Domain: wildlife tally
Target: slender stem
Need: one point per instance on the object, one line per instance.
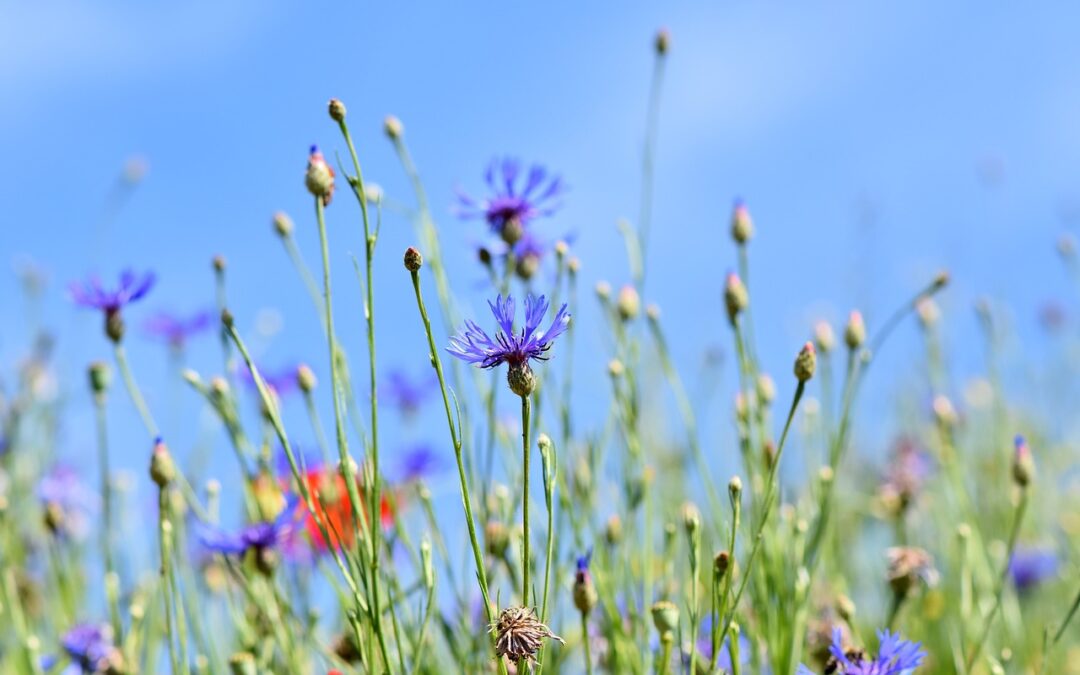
(1021, 507)
(164, 538)
(525, 561)
(1065, 623)
(766, 508)
(667, 641)
(345, 464)
(649, 158)
(585, 643)
(374, 488)
(466, 497)
(111, 590)
(133, 390)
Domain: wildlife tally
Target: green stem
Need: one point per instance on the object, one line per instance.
(525, 561)
(766, 509)
(133, 390)
(165, 537)
(107, 519)
(585, 643)
(649, 158)
(466, 497)
(1014, 533)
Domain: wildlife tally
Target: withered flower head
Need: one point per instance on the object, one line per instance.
(519, 634)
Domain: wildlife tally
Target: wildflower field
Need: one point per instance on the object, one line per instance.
(481, 456)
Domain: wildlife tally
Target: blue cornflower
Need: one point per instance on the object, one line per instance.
(1029, 567)
(405, 393)
(473, 345)
(90, 648)
(282, 381)
(513, 203)
(91, 293)
(417, 462)
(585, 595)
(896, 656)
(175, 330)
(259, 537)
(68, 501)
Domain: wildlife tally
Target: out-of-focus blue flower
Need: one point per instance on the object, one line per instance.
(723, 659)
(513, 202)
(405, 393)
(896, 656)
(417, 461)
(473, 345)
(91, 293)
(63, 487)
(258, 536)
(282, 381)
(90, 648)
(175, 330)
(1029, 567)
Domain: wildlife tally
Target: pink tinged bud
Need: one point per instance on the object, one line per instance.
(319, 177)
(806, 362)
(736, 298)
(855, 331)
(742, 227)
(1023, 468)
(162, 469)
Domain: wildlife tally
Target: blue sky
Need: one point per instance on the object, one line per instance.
(874, 145)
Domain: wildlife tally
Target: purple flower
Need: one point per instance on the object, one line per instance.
(89, 646)
(282, 381)
(1029, 567)
(91, 293)
(417, 462)
(63, 490)
(405, 393)
(266, 536)
(513, 203)
(896, 656)
(175, 330)
(475, 346)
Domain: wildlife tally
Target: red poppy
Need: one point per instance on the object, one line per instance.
(331, 496)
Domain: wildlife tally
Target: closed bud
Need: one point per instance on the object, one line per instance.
(114, 325)
(100, 377)
(944, 411)
(662, 42)
(585, 595)
(305, 378)
(824, 337)
(734, 488)
(665, 616)
(191, 376)
(766, 389)
(427, 564)
(691, 518)
(805, 362)
(1023, 467)
(496, 538)
(573, 265)
(615, 368)
(373, 193)
(1066, 246)
(561, 248)
(721, 563)
(413, 259)
(628, 304)
(603, 290)
(219, 387)
(319, 177)
(54, 517)
(613, 530)
(928, 312)
(392, 127)
(941, 280)
(226, 318)
(283, 224)
(336, 110)
(162, 469)
(243, 663)
(218, 263)
(736, 297)
(855, 331)
(742, 227)
(845, 607)
(653, 312)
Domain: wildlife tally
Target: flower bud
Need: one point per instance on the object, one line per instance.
(337, 110)
(283, 224)
(427, 564)
(319, 177)
(805, 362)
(218, 263)
(940, 281)
(373, 193)
(691, 518)
(944, 411)
(734, 488)
(573, 265)
(615, 368)
(721, 564)
(496, 538)
(100, 377)
(736, 298)
(603, 290)
(392, 127)
(226, 318)
(742, 227)
(413, 259)
(665, 615)
(662, 42)
(628, 304)
(1066, 246)
(653, 311)
(824, 337)
(855, 331)
(928, 312)
(766, 389)
(561, 248)
(1023, 467)
(585, 595)
(162, 469)
(114, 325)
(243, 663)
(305, 378)
(613, 530)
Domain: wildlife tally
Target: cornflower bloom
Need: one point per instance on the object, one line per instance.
(417, 461)
(92, 294)
(281, 382)
(69, 502)
(513, 204)
(176, 330)
(473, 345)
(405, 393)
(896, 656)
(264, 537)
(90, 648)
(1030, 567)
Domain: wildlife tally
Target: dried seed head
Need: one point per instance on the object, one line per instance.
(519, 634)
(908, 567)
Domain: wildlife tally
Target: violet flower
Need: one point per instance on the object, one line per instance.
(260, 537)
(475, 346)
(512, 203)
(176, 330)
(92, 294)
(1030, 567)
(896, 656)
(405, 393)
